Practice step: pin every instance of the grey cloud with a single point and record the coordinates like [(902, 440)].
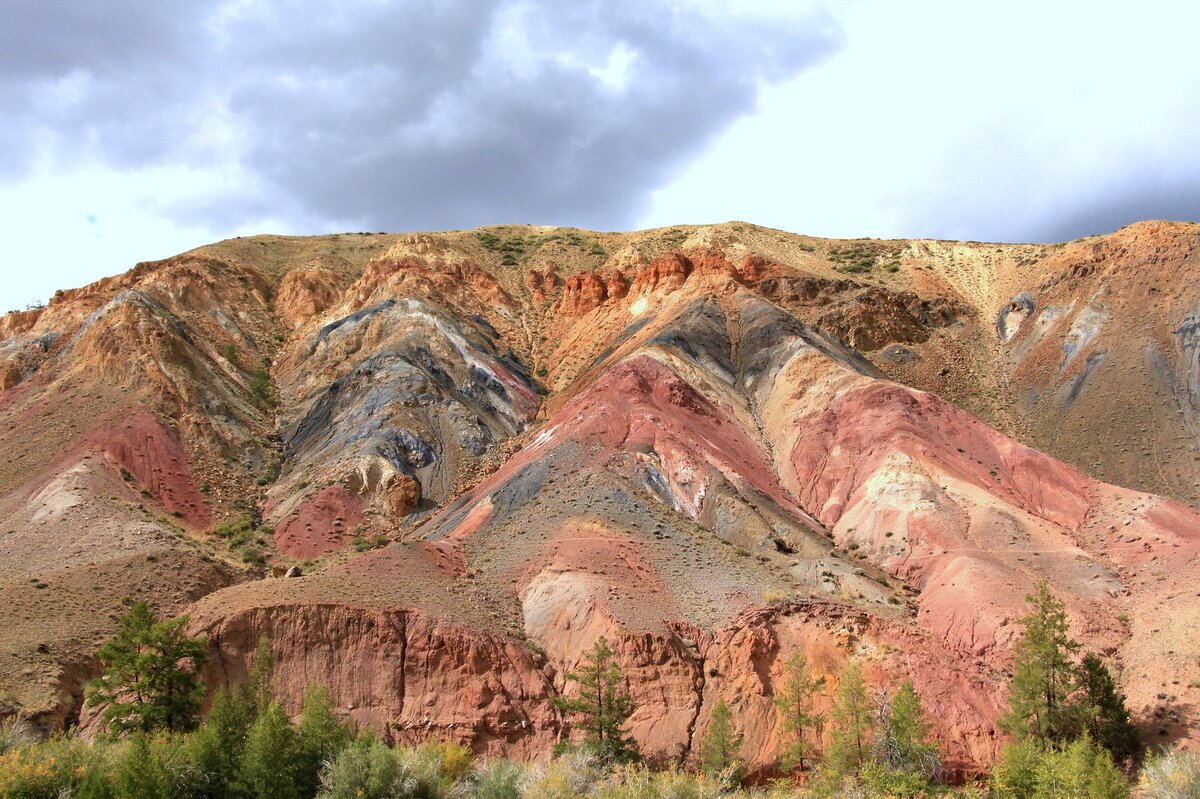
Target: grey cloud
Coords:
[(401, 115), (1176, 198)]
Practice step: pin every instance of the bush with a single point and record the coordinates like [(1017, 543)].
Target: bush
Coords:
[(1084, 770), (1015, 772), (367, 769), (882, 781), (496, 779), (1081, 770), (29, 773), (567, 777), (436, 766), (1171, 775)]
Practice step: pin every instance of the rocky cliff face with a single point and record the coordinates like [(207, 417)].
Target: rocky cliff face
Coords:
[(715, 446)]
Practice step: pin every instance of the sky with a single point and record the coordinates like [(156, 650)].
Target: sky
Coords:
[(134, 131)]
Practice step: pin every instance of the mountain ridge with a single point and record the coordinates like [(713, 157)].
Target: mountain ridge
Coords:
[(715, 444)]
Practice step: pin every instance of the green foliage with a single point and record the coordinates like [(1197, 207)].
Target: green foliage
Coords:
[(882, 781), (143, 772), (720, 750), (261, 387), (1051, 699), (229, 353), (634, 781), (150, 678), (362, 543), (794, 701), (902, 737), (1039, 699), (859, 257), (215, 750), (1171, 775), (567, 777), (262, 670), (1081, 770), (366, 769), (852, 724), (52, 768), (270, 763), (1106, 718), (1015, 773), (322, 736), (603, 704)]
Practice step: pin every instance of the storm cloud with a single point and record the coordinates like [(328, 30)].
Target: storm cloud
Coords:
[(399, 115)]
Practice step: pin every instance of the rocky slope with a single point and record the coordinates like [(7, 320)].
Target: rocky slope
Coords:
[(716, 446)]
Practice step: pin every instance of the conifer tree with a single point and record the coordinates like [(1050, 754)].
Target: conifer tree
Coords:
[(1105, 713), (257, 690), (150, 678), (902, 738), (800, 721), (604, 705), (322, 735), (721, 747), (215, 750), (1040, 694), (851, 724), (1081, 769), (142, 773), (269, 763)]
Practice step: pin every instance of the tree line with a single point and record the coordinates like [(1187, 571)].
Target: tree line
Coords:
[(1071, 736)]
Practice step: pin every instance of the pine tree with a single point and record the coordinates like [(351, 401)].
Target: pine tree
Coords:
[(150, 678), (1106, 718), (142, 773), (257, 689), (902, 739), (1043, 682), (851, 721), (268, 767), (604, 705), (719, 751), (794, 700), (215, 750), (322, 735), (1082, 769)]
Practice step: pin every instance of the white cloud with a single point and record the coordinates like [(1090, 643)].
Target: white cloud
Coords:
[(968, 120)]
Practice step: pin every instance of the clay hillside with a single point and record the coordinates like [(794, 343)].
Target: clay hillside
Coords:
[(714, 445)]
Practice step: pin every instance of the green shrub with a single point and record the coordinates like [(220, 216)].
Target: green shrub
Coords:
[(1081, 770), (261, 388), (367, 769), (50, 769), (215, 750), (882, 781)]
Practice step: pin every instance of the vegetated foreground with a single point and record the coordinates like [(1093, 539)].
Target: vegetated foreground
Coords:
[(717, 447)]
